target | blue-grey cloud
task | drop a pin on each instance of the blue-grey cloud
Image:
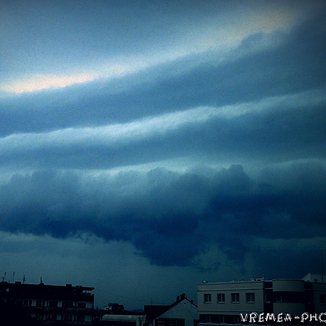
(294, 65)
(278, 129)
(172, 222)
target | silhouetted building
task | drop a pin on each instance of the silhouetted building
(50, 304)
(261, 301)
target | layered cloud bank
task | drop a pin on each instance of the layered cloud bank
(172, 217)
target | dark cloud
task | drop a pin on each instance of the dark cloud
(171, 223)
(280, 132)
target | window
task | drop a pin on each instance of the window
(250, 297)
(27, 303)
(268, 297)
(269, 285)
(220, 319)
(66, 317)
(322, 298)
(220, 297)
(235, 297)
(207, 297)
(53, 303)
(231, 319)
(81, 305)
(80, 318)
(51, 317)
(278, 297)
(67, 304)
(208, 318)
(40, 303)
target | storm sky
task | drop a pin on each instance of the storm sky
(146, 146)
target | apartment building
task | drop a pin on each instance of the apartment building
(261, 301)
(51, 304)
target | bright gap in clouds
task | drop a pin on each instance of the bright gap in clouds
(41, 82)
(222, 35)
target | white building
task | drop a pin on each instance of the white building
(182, 312)
(234, 302)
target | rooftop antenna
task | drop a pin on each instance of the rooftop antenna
(13, 277)
(24, 279)
(4, 276)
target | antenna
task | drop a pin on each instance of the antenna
(24, 279)
(13, 277)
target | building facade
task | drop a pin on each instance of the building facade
(261, 301)
(182, 312)
(69, 305)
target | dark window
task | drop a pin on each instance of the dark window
(235, 297)
(80, 318)
(220, 319)
(288, 296)
(230, 319)
(268, 285)
(40, 303)
(268, 297)
(220, 297)
(67, 317)
(207, 297)
(202, 318)
(250, 297)
(81, 305)
(322, 298)
(52, 317)
(53, 303)
(278, 297)
(67, 304)
(27, 303)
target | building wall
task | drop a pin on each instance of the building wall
(319, 297)
(254, 291)
(289, 296)
(183, 310)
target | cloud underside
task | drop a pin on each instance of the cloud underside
(172, 218)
